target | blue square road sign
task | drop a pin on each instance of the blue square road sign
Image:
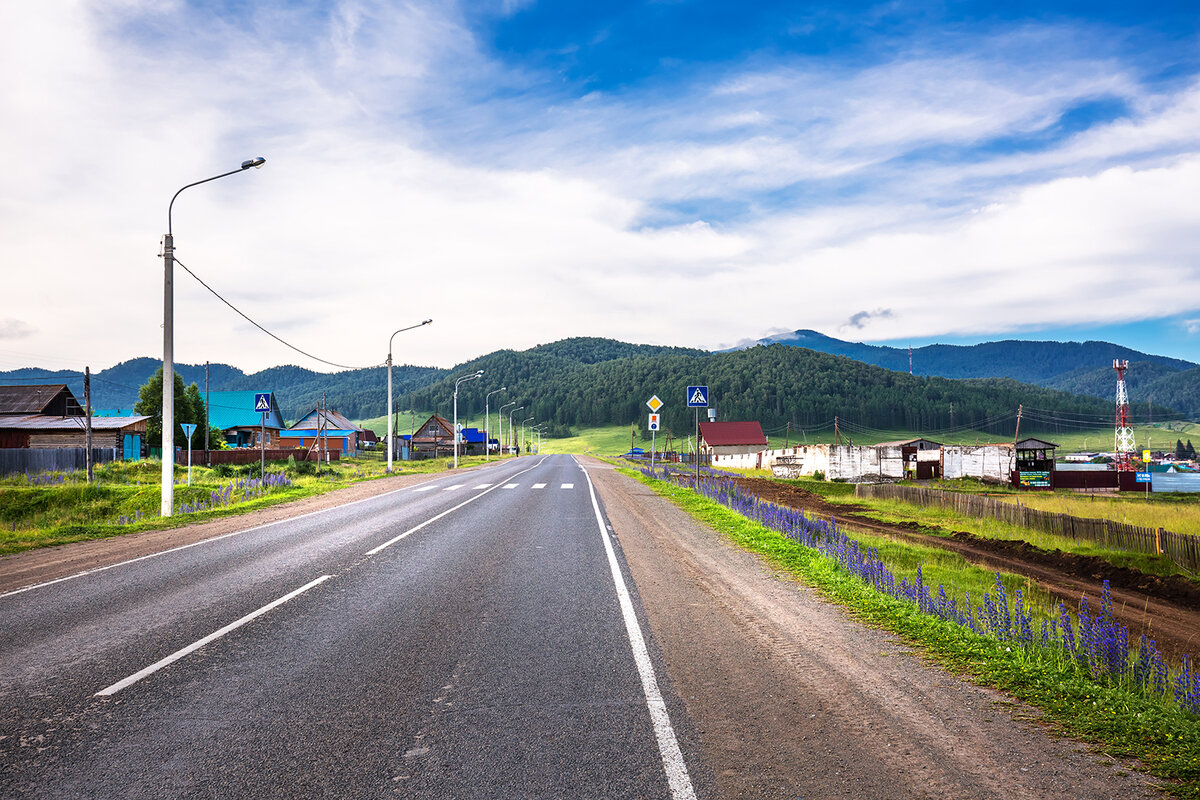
(262, 402)
(697, 396)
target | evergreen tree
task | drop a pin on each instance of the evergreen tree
(1180, 450)
(1191, 451)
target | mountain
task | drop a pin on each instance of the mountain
(1077, 367)
(355, 393)
(776, 385)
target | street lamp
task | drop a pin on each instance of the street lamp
(463, 379)
(500, 422)
(531, 419)
(389, 405)
(168, 409)
(512, 431)
(487, 424)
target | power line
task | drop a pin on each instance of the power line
(261, 328)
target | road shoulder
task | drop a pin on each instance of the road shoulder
(792, 698)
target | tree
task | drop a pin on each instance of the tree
(1180, 450)
(189, 408)
(1191, 451)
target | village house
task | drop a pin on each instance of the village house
(233, 414)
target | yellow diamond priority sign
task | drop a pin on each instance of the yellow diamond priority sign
(654, 403)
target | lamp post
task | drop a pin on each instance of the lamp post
(523, 430)
(463, 379)
(389, 405)
(512, 431)
(487, 423)
(168, 409)
(500, 422)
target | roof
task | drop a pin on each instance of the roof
(472, 436)
(1035, 444)
(38, 399)
(312, 420)
(724, 434)
(42, 422)
(228, 410)
(906, 442)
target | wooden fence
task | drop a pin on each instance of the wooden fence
(57, 459)
(1183, 549)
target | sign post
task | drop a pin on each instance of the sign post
(262, 404)
(655, 404)
(697, 398)
(188, 430)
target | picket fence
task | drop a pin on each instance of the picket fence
(1181, 548)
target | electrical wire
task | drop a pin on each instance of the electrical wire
(264, 330)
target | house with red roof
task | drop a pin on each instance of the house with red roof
(732, 438)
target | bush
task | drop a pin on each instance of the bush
(818, 475)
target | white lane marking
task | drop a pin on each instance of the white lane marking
(210, 540)
(432, 520)
(455, 486)
(194, 646)
(482, 486)
(668, 746)
(539, 486)
(425, 489)
(511, 485)
(567, 486)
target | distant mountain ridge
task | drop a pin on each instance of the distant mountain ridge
(1076, 367)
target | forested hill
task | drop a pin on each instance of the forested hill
(773, 384)
(1029, 362)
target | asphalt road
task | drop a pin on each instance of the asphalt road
(476, 636)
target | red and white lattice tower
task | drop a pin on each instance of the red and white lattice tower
(1123, 449)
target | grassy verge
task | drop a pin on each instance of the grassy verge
(58, 508)
(1118, 721)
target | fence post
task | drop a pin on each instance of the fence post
(1158, 541)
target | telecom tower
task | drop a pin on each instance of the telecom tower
(1123, 450)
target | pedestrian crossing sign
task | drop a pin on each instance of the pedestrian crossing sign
(262, 402)
(697, 396)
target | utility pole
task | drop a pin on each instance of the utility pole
(1017, 434)
(837, 438)
(788, 440)
(207, 457)
(87, 423)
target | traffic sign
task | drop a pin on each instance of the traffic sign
(1142, 477)
(654, 419)
(654, 403)
(1146, 456)
(188, 429)
(697, 396)
(262, 402)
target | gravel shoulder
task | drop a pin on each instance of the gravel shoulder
(792, 698)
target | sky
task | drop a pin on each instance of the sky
(699, 174)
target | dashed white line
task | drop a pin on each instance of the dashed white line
(567, 486)
(455, 486)
(194, 646)
(482, 486)
(425, 488)
(511, 485)
(539, 486)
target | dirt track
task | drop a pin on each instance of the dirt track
(1167, 610)
(792, 699)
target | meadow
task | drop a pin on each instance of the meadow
(57, 508)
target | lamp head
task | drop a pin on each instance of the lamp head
(254, 162)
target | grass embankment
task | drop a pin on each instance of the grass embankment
(1118, 720)
(59, 508)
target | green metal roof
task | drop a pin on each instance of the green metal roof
(236, 410)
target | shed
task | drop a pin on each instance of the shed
(43, 431)
(53, 400)
(921, 457)
(1035, 464)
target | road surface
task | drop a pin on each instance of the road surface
(482, 635)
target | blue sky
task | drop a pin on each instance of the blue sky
(687, 173)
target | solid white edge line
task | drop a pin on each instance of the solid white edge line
(194, 646)
(668, 746)
(203, 541)
(432, 520)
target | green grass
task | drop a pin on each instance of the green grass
(33, 516)
(1117, 720)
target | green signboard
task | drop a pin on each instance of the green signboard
(1037, 480)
